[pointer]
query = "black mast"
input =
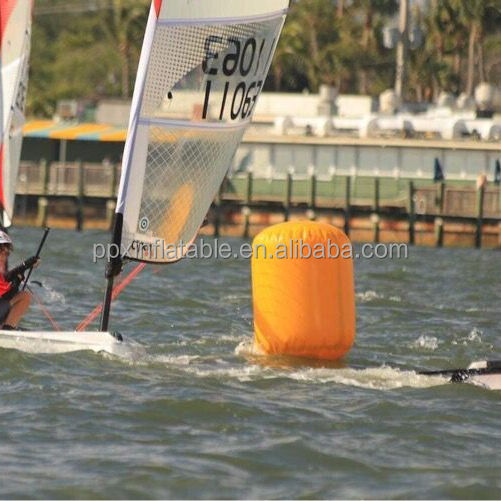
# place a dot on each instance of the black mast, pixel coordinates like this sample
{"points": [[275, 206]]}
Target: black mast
{"points": [[37, 255], [113, 268]]}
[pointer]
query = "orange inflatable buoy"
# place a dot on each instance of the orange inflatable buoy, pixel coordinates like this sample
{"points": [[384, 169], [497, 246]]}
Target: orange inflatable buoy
{"points": [[303, 291]]}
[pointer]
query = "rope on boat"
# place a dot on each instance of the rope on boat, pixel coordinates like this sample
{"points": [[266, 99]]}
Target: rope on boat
{"points": [[117, 290], [46, 312]]}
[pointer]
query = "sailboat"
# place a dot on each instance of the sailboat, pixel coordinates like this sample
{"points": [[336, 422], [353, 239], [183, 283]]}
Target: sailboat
{"points": [[202, 68], [211, 56], [15, 37]]}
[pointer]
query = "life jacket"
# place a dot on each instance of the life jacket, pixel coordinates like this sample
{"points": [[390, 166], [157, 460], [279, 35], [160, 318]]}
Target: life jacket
{"points": [[11, 280], [4, 285]]}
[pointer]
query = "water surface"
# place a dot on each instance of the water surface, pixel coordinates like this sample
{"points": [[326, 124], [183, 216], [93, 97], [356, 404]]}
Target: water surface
{"points": [[189, 416]]}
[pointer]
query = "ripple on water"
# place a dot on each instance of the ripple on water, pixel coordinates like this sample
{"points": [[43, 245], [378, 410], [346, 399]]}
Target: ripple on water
{"points": [[192, 411]]}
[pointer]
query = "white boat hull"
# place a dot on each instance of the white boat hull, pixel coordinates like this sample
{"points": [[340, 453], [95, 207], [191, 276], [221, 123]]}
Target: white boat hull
{"points": [[61, 342], [489, 381]]}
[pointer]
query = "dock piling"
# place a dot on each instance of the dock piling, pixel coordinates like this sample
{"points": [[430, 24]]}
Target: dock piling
{"points": [[217, 208], [480, 216], [43, 204], [80, 197], [439, 232], [110, 213], [288, 196], [412, 213], [347, 205], [312, 202], [375, 216]]}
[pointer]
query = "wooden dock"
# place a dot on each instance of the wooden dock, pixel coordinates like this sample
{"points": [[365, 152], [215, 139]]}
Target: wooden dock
{"points": [[378, 209]]}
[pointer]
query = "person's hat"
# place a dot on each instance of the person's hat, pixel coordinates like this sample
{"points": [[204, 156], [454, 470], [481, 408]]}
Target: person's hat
{"points": [[4, 238]]}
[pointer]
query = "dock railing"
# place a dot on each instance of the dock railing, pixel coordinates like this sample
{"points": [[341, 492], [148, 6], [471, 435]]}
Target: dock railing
{"points": [[376, 196], [448, 198]]}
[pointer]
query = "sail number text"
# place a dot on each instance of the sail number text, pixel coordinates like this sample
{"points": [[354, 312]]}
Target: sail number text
{"points": [[247, 59]]}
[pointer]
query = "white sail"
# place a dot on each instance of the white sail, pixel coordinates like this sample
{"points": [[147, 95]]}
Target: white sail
{"points": [[15, 22], [215, 55]]}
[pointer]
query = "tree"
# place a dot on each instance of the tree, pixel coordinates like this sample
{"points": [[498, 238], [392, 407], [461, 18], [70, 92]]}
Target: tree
{"points": [[478, 17], [373, 12], [431, 66], [123, 25], [90, 50]]}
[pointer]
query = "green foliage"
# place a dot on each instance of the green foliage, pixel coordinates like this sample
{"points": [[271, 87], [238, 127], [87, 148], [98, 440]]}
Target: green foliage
{"points": [[92, 55], [85, 55], [339, 43]]}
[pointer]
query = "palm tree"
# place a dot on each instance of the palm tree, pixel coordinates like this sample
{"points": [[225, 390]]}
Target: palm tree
{"points": [[308, 40], [475, 15], [372, 12], [437, 65], [123, 23]]}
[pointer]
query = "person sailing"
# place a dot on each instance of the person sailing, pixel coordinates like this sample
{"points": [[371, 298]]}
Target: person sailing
{"points": [[13, 303]]}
